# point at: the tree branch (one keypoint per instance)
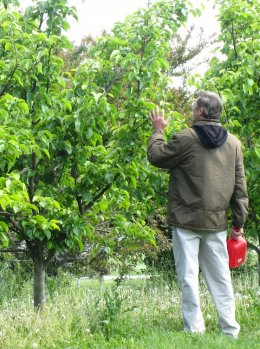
(78, 197)
(110, 84)
(48, 78)
(41, 21)
(234, 40)
(91, 203)
(8, 84)
(11, 219)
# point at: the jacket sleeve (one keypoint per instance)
(239, 200)
(162, 154)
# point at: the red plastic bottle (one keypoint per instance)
(236, 251)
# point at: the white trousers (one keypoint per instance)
(209, 252)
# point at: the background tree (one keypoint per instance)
(187, 53)
(77, 54)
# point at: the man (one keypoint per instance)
(206, 178)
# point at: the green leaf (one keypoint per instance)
(103, 205)
(89, 232)
(46, 151)
(89, 133)
(39, 68)
(4, 240)
(47, 233)
(78, 125)
(54, 225)
(68, 147)
(96, 96)
(4, 226)
(8, 46)
(8, 183)
(65, 25)
(50, 245)
(56, 205)
(81, 245)
(33, 207)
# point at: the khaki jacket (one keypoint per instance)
(204, 182)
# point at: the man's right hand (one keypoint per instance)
(236, 233)
(158, 121)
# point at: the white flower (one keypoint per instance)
(35, 345)
(209, 316)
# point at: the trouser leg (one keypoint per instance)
(213, 260)
(186, 249)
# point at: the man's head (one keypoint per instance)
(207, 106)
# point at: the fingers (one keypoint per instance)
(155, 113)
(158, 121)
(152, 114)
(235, 234)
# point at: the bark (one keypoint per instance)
(39, 275)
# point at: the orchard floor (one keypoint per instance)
(138, 314)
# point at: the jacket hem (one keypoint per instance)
(199, 229)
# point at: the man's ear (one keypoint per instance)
(201, 111)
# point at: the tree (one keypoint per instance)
(183, 51)
(73, 146)
(185, 56)
(237, 78)
(77, 54)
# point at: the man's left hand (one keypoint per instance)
(236, 233)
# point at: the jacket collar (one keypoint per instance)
(204, 122)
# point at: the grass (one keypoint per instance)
(138, 314)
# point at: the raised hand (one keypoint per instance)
(158, 121)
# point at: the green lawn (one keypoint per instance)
(138, 314)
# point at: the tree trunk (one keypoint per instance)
(39, 276)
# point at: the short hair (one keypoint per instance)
(211, 103)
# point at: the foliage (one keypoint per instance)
(77, 54)
(181, 52)
(110, 306)
(73, 168)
